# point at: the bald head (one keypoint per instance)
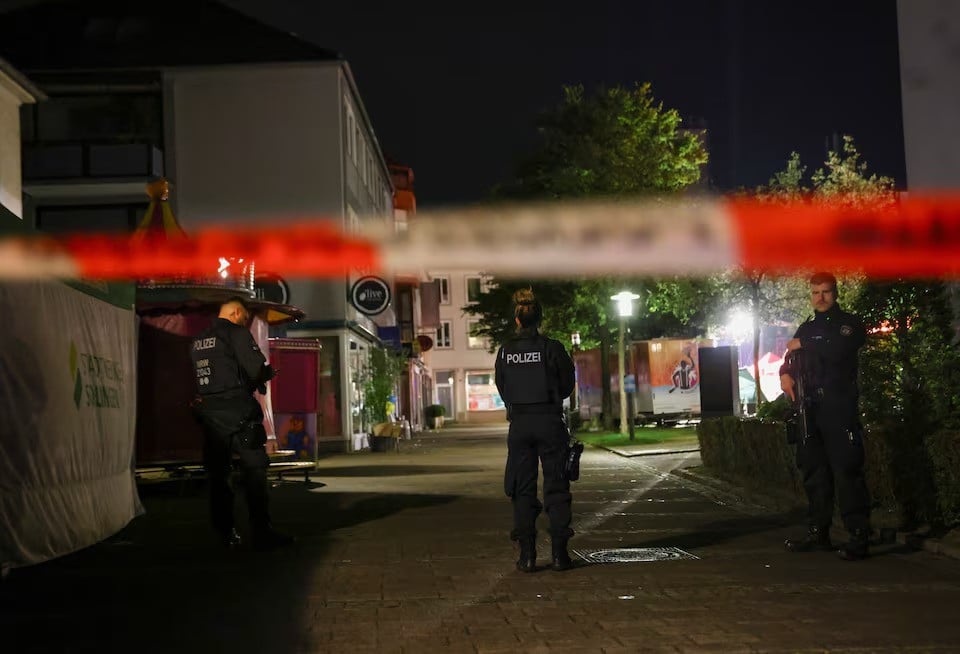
(234, 311)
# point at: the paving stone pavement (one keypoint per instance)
(408, 552)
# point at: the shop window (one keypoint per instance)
(482, 394)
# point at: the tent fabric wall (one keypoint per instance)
(67, 419)
(167, 432)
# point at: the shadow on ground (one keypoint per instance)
(713, 533)
(392, 471)
(163, 584)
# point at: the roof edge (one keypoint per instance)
(22, 87)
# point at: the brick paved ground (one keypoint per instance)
(407, 553)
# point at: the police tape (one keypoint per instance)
(918, 236)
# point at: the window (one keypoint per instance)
(476, 342)
(363, 159)
(444, 282)
(474, 288)
(351, 133)
(482, 392)
(98, 218)
(123, 117)
(444, 341)
(353, 221)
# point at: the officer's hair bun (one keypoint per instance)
(524, 297)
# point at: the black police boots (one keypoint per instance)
(230, 540)
(528, 555)
(561, 559)
(858, 547)
(816, 539)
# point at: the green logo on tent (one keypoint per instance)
(96, 380)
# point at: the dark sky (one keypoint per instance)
(453, 88)
(453, 91)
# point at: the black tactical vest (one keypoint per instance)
(214, 362)
(525, 379)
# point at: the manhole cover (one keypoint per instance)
(634, 555)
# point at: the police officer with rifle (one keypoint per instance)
(820, 377)
(229, 367)
(534, 375)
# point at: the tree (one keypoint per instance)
(769, 300)
(569, 306)
(615, 143)
(845, 175)
(379, 382)
(772, 298)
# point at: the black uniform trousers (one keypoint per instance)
(234, 427)
(538, 439)
(831, 462)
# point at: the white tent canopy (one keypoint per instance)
(67, 417)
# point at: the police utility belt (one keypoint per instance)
(535, 409)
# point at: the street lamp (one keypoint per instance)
(624, 310)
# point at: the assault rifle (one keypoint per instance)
(798, 428)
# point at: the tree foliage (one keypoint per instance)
(379, 380)
(774, 299)
(614, 143)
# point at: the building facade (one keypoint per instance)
(417, 310)
(462, 364)
(251, 125)
(15, 91)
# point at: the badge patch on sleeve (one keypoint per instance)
(846, 330)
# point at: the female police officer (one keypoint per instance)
(534, 375)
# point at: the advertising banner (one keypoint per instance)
(674, 375)
(67, 417)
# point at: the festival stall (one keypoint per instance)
(173, 311)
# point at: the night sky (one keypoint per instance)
(454, 91)
(453, 88)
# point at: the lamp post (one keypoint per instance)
(624, 310)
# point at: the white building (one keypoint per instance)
(929, 35)
(249, 124)
(15, 91)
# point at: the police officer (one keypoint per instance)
(534, 375)
(229, 367)
(831, 454)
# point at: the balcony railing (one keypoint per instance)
(49, 161)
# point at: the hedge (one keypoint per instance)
(912, 481)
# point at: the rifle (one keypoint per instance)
(571, 463)
(798, 428)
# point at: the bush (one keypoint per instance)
(754, 453)
(944, 449)
(775, 411)
(379, 381)
(750, 451)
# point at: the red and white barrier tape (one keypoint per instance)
(916, 237)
